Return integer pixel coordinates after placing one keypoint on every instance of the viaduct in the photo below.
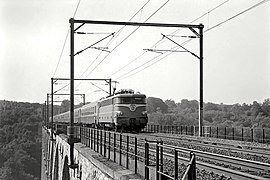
(91, 165)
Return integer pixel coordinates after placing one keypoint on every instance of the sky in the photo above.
(236, 53)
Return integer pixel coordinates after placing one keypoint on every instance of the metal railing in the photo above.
(125, 150)
(190, 173)
(148, 163)
(261, 135)
(158, 162)
(115, 146)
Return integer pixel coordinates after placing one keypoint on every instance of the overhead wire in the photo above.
(99, 88)
(201, 16)
(92, 45)
(61, 88)
(64, 45)
(61, 54)
(111, 40)
(59, 59)
(115, 36)
(162, 40)
(128, 36)
(211, 28)
(238, 14)
(126, 75)
(118, 32)
(262, 2)
(77, 7)
(207, 13)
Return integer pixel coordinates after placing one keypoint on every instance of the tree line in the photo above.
(185, 112)
(20, 140)
(169, 112)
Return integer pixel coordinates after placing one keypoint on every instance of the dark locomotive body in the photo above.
(122, 111)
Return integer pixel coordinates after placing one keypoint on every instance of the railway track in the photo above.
(227, 172)
(230, 167)
(255, 151)
(227, 161)
(236, 168)
(221, 169)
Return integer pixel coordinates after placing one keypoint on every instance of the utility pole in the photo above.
(52, 106)
(52, 140)
(45, 113)
(71, 124)
(48, 111)
(110, 86)
(201, 80)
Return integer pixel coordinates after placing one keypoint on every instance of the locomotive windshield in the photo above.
(130, 100)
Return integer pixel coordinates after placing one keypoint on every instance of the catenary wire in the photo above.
(128, 36)
(238, 14)
(211, 28)
(116, 35)
(61, 54)
(162, 40)
(64, 45)
(126, 75)
(262, 2)
(76, 9)
(113, 38)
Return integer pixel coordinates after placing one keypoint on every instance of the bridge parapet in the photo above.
(91, 165)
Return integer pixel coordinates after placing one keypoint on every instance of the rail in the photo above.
(261, 135)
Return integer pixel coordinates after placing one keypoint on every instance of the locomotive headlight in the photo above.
(118, 113)
(144, 113)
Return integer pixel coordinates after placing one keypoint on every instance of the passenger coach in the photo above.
(125, 110)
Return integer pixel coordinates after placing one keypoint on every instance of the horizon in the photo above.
(260, 102)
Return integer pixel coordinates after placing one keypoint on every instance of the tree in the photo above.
(211, 106)
(192, 105)
(20, 145)
(266, 107)
(156, 104)
(256, 109)
(171, 105)
(155, 118)
(65, 105)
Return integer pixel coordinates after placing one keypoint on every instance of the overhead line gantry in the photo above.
(81, 23)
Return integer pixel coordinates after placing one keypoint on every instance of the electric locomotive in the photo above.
(125, 110)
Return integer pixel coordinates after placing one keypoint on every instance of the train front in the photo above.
(130, 111)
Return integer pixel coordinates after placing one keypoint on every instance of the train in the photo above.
(123, 111)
